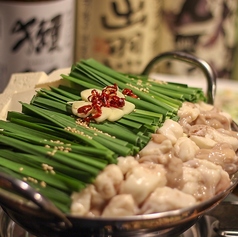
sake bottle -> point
(35, 35)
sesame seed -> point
(43, 184)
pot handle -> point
(21, 188)
(188, 58)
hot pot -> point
(39, 216)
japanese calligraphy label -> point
(122, 34)
(35, 36)
(205, 28)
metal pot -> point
(39, 216)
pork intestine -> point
(184, 163)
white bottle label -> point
(123, 35)
(35, 36)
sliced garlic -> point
(106, 112)
(86, 93)
(76, 105)
(120, 95)
(115, 115)
(111, 114)
(128, 107)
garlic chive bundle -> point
(58, 153)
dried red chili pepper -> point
(107, 98)
(129, 92)
(117, 102)
(84, 109)
(97, 113)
